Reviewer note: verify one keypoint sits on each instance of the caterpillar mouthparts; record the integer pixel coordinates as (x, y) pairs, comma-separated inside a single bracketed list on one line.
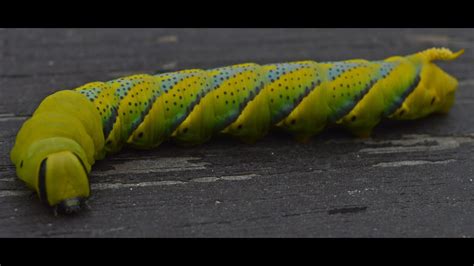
[(71, 129), (69, 206)]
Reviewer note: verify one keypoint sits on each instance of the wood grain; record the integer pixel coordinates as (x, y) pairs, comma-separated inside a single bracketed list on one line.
[(411, 179)]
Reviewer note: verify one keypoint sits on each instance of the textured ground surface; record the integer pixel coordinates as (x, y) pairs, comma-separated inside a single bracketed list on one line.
[(411, 179)]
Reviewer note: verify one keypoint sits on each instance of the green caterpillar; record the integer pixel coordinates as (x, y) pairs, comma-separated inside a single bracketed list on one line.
[(56, 147)]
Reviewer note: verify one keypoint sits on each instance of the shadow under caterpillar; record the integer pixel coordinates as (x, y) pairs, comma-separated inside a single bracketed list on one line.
[(71, 129)]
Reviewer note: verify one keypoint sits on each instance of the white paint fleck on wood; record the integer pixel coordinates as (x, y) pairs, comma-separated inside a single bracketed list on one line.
[(170, 66), (168, 39)]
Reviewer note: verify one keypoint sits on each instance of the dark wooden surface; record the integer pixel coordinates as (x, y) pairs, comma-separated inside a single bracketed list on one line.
[(411, 179)]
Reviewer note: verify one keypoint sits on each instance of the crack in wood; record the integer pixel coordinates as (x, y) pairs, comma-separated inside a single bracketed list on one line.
[(412, 163), (417, 143), (11, 117), (157, 165), (118, 185), (210, 179), (347, 210)]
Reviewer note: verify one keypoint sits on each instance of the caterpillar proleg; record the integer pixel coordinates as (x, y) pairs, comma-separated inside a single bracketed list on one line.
[(71, 129)]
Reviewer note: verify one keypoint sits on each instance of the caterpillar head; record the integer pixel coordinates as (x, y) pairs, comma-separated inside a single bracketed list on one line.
[(57, 172), (63, 182), (55, 148)]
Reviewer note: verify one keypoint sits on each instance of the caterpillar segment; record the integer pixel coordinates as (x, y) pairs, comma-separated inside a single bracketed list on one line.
[(56, 147)]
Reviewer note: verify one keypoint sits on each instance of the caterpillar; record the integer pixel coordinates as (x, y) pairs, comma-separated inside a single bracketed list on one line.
[(71, 129)]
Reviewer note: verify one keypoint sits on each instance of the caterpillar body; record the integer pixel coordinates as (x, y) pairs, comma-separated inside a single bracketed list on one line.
[(71, 129)]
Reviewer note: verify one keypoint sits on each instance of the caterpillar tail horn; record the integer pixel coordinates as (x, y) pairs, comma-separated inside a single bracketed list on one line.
[(443, 54)]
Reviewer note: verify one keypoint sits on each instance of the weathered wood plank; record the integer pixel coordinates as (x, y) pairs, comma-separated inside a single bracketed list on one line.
[(411, 179)]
